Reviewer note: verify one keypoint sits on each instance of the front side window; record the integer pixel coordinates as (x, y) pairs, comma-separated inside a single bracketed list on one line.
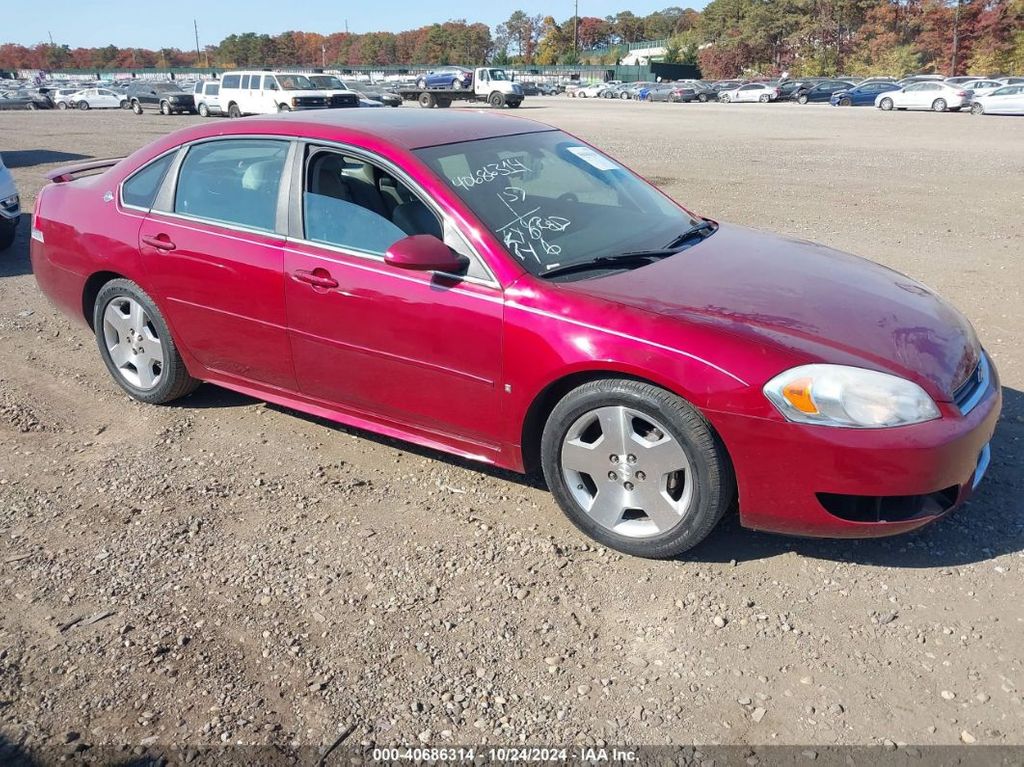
[(269, 83), (553, 201), (140, 189), (233, 181)]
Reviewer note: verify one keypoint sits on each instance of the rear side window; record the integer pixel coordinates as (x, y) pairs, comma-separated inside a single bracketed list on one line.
[(212, 90), (233, 181), (140, 189), (245, 82), (230, 81)]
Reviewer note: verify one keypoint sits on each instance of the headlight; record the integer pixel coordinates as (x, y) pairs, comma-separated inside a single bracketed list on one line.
[(837, 395)]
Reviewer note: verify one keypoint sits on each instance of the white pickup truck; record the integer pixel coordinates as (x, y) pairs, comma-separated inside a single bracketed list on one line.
[(490, 84)]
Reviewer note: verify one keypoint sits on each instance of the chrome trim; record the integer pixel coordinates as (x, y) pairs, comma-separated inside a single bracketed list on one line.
[(982, 389), (983, 461)]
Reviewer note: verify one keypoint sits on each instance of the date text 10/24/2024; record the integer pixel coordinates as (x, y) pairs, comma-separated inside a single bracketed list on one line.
[(504, 754)]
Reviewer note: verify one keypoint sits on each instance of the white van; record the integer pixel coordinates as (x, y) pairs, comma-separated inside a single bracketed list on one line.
[(266, 92)]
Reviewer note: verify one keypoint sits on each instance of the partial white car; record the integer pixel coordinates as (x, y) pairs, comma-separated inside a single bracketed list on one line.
[(96, 98), (979, 87), (590, 91), (10, 207), (207, 96), (1008, 100), (62, 96), (936, 96), (751, 92)]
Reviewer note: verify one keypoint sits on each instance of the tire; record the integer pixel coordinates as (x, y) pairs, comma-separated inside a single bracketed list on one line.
[(444, 103), (686, 501), (725, 98), (496, 100), (31, 106), (233, 110), (939, 105), (125, 104), (845, 103), (801, 99), (624, 96), (165, 108), (122, 307), (204, 111), (8, 231), (581, 95), (456, 84), (62, 105), (136, 107), (764, 98), (427, 100), (514, 104), (421, 84), (885, 105), (282, 108), (977, 109), (83, 106)]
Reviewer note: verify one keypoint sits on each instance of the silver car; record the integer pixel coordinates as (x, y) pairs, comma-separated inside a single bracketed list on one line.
[(10, 207)]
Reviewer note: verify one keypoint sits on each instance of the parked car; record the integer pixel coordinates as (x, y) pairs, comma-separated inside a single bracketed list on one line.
[(660, 92), (683, 94), (921, 79), (820, 92), (750, 92), (1008, 100), (977, 87), (207, 97), (24, 100), (368, 95), (10, 207), (456, 78), (658, 368), (267, 92), (862, 95), (590, 91), (96, 98), (1011, 80), (59, 96), (166, 98), (924, 94), (616, 91)]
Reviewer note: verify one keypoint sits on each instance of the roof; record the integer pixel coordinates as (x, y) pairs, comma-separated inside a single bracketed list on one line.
[(405, 127)]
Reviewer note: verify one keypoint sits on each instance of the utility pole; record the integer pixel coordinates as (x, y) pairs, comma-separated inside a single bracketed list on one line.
[(576, 29), (195, 26), (956, 37), (323, 55)]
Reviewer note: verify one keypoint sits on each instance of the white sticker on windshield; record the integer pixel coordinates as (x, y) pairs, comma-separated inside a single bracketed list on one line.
[(591, 157)]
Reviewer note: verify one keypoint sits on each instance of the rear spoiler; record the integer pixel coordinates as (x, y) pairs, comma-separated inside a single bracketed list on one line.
[(70, 172)]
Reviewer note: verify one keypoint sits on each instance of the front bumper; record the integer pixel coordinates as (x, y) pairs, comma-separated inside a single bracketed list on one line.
[(10, 209), (858, 483)]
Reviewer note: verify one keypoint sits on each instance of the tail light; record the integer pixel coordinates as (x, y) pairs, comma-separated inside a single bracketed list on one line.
[(962, 94)]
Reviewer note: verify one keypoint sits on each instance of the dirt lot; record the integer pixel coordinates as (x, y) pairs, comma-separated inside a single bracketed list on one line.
[(223, 571)]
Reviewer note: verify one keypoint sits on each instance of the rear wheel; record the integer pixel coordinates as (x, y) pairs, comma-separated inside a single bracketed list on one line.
[(32, 106), (845, 103), (204, 111), (636, 468), (939, 105), (444, 103), (62, 105), (724, 98), (136, 345), (83, 105), (977, 109), (136, 107), (885, 104), (427, 100), (456, 84), (764, 98), (703, 98), (801, 99), (165, 108), (421, 84), (233, 110), (8, 231)]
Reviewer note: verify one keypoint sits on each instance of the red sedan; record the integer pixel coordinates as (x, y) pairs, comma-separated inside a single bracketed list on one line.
[(495, 288)]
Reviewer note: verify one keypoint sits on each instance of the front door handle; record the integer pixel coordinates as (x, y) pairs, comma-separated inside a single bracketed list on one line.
[(318, 278), (160, 242)]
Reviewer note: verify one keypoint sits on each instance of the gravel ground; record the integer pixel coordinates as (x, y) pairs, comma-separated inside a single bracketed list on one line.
[(224, 571)]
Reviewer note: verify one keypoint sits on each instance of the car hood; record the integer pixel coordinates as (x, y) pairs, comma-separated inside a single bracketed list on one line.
[(823, 304)]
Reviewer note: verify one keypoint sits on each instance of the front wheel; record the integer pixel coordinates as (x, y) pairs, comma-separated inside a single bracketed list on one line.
[(8, 231), (282, 108), (514, 104), (801, 99), (724, 98), (421, 84), (977, 109), (496, 100), (83, 105), (703, 98), (939, 105), (636, 468), (32, 106), (845, 103), (136, 345), (885, 105), (137, 107), (456, 84), (62, 105), (764, 98), (165, 108)]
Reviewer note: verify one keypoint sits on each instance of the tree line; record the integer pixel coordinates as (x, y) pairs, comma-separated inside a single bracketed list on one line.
[(728, 38)]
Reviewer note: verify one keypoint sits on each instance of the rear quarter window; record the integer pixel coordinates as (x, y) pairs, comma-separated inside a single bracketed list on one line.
[(139, 190), (230, 81)]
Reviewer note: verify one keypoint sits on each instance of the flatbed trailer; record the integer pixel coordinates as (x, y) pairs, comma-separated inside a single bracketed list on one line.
[(442, 98)]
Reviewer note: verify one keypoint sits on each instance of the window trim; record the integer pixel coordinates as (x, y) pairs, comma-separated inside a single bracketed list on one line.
[(296, 230)]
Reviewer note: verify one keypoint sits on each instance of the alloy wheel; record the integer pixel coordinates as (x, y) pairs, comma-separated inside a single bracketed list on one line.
[(626, 471), (132, 342)]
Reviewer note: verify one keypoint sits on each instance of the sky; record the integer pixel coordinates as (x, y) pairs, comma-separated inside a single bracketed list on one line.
[(157, 24)]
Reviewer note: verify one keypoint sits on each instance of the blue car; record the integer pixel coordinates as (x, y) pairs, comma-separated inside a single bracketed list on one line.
[(862, 95), (455, 78)]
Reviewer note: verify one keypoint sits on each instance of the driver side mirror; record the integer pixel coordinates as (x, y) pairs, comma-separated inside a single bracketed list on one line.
[(424, 253)]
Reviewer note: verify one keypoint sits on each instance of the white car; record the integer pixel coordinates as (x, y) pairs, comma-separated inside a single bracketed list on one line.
[(979, 87), (750, 92), (932, 95), (207, 96), (97, 98), (1008, 100), (10, 207), (591, 91), (61, 96)]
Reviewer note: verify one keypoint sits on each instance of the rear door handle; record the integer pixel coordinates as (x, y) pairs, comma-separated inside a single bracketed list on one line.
[(318, 278), (160, 242)]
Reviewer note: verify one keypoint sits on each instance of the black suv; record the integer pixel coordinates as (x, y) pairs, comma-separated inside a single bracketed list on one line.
[(168, 98)]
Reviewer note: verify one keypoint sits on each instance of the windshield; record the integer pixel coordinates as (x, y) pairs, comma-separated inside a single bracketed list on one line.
[(166, 88), (295, 83), (328, 81), (355, 85), (552, 200), (497, 74)]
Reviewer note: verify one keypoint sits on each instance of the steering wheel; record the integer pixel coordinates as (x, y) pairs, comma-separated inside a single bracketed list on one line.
[(568, 197)]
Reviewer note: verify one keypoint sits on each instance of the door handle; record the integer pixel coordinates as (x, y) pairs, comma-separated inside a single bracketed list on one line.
[(160, 242), (318, 278)]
